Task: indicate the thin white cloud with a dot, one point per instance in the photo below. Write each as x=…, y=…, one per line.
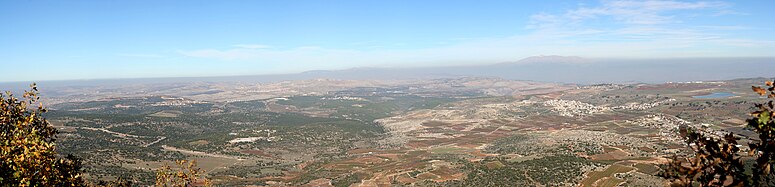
x=743, y=42
x=137, y=55
x=639, y=12
x=639, y=29
x=543, y=21
x=730, y=12
x=231, y=54
x=725, y=27
x=653, y=20
x=252, y=46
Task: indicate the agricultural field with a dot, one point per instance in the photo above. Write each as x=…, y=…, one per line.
x=444, y=132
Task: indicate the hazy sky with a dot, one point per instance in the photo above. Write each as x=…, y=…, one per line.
x=55, y=40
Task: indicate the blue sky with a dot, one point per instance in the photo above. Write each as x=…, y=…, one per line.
x=60, y=40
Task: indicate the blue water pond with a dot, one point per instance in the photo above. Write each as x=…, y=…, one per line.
x=715, y=95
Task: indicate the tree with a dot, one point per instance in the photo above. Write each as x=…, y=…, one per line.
x=28, y=154
x=187, y=174
x=27, y=146
x=764, y=125
x=717, y=162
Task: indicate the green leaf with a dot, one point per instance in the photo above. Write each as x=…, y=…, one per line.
x=764, y=117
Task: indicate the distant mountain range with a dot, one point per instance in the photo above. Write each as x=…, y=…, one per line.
x=571, y=69
x=562, y=69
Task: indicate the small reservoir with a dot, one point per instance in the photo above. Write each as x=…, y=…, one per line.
x=716, y=95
